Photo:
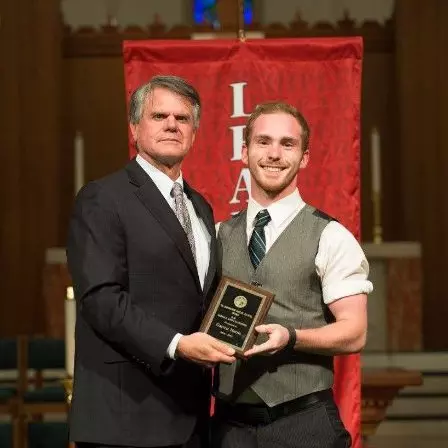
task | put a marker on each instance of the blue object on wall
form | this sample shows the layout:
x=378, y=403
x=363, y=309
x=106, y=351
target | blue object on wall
x=204, y=11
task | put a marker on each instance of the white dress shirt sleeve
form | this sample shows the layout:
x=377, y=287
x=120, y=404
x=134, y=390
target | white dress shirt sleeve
x=341, y=264
x=171, y=351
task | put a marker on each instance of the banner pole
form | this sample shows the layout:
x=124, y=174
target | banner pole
x=241, y=31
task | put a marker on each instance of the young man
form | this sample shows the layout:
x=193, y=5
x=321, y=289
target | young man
x=141, y=253
x=282, y=393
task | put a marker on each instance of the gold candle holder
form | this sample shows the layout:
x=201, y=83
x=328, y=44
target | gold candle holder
x=377, y=228
x=68, y=388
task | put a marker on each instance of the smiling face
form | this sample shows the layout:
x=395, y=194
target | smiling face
x=274, y=156
x=165, y=132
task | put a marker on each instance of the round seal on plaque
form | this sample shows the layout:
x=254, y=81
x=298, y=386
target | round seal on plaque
x=240, y=301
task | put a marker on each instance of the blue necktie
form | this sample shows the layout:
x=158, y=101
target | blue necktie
x=257, y=243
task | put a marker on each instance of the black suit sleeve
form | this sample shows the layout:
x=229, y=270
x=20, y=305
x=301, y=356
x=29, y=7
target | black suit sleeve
x=96, y=253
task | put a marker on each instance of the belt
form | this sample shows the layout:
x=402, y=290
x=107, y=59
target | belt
x=255, y=415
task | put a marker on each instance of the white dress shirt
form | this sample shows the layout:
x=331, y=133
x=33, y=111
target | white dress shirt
x=202, y=238
x=340, y=261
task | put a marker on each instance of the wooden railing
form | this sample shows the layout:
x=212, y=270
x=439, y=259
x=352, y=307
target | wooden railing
x=379, y=387
x=107, y=41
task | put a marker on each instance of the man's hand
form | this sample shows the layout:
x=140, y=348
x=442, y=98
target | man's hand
x=278, y=339
x=204, y=349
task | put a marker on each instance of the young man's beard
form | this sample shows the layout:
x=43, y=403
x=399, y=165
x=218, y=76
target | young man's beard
x=272, y=189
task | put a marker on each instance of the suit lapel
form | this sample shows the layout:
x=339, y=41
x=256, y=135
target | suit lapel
x=211, y=267
x=203, y=213
x=152, y=199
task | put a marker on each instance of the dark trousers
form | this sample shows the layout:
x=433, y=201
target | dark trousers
x=192, y=443
x=196, y=441
x=317, y=425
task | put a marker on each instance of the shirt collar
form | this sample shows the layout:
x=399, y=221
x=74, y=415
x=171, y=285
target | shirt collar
x=279, y=210
x=162, y=181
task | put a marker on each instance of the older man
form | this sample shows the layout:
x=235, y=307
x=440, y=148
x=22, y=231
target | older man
x=141, y=252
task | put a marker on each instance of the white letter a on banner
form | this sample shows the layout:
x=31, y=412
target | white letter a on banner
x=245, y=180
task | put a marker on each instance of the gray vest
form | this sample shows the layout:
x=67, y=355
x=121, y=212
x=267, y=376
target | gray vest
x=288, y=269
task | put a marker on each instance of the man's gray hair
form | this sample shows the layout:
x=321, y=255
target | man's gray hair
x=173, y=84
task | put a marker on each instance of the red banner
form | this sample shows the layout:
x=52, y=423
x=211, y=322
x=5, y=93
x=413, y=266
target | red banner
x=322, y=78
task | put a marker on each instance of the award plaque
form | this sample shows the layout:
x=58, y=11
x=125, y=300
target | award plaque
x=236, y=309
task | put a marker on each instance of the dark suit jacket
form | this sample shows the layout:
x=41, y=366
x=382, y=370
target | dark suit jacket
x=136, y=286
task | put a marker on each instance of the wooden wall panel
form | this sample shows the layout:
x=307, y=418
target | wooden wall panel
x=10, y=241
x=379, y=109
x=94, y=103
x=30, y=73
x=422, y=69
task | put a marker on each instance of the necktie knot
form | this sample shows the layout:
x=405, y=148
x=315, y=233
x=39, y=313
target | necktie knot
x=257, y=243
x=262, y=218
x=177, y=191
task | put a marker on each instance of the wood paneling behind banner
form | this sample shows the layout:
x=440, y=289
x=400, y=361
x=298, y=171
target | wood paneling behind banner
x=95, y=105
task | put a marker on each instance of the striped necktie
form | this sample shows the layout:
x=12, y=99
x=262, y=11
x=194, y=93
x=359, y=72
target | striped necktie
x=257, y=243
